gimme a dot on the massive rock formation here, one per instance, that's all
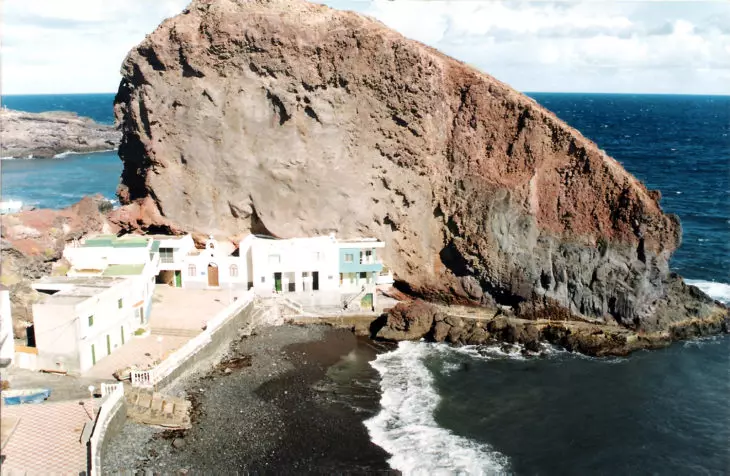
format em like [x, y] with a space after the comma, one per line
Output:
[46, 134]
[289, 118]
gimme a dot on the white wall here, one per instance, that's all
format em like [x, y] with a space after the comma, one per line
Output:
[100, 257]
[63, 331]
[214, 254]
[7, 348]
[181, 246]
[295, 257]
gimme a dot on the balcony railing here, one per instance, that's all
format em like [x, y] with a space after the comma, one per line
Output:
[167, 259]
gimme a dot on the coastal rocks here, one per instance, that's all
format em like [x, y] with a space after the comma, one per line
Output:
[47, 134]
[419, 320]
[286, 118]
[408, 321]
[32, 246]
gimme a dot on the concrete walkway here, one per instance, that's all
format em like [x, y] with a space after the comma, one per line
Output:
[177, 315]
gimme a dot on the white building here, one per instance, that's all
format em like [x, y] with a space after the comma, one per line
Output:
[132, 256]
[81, 320]
[173, 253]
[216, 266]
[293, 265]
[7, 346]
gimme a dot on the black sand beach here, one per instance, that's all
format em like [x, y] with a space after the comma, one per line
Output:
[298, 408]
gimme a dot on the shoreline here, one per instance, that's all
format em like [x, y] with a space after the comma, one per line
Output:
[294, 408]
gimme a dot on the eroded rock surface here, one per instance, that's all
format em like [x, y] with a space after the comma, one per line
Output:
[46, 134]
[292, 119]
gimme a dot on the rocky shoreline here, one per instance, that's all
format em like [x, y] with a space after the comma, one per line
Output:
[280, 414]
[464, 325]
[49, 134]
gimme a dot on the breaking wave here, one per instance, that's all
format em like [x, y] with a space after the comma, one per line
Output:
[406, 428]
[718, 291]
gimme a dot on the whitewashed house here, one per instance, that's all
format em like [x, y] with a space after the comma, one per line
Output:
[80, 320]
[173, 253]
[131, 256]
[215, 266]
[7, 344]
[292, 265]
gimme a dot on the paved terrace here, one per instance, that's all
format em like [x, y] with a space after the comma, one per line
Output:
[45, 438]
[177, 315]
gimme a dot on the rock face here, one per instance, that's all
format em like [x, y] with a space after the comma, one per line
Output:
[291, 119]
[32, 245]
[46, 134]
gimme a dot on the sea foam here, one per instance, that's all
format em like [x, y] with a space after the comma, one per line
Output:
[406, 428]
[718, 291]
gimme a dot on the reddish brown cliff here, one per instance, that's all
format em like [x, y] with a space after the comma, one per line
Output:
[290, 118]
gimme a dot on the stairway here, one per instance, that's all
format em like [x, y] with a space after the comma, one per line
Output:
[168, 331]
[155, 409]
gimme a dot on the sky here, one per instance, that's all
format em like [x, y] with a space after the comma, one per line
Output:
[77, 46]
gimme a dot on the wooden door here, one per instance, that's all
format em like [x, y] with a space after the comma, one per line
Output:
[108, 345]
[212, 275]
[178, 279]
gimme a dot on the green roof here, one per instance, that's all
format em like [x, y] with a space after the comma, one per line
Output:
[116, 242]
[123, 270]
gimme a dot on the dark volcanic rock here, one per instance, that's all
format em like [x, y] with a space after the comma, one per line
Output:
[288, 118]
[408, 321]
[45, 134]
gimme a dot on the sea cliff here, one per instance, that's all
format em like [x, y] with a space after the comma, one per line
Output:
[288, 118]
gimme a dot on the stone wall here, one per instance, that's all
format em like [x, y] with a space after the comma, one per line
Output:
[220, 339]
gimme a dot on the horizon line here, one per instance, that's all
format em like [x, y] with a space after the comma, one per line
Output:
[523, 92]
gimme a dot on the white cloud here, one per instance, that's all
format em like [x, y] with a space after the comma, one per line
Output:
[650, 46]
[73, 46]
[586, 46]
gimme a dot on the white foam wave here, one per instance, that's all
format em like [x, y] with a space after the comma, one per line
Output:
[718, 291]
[406, 428]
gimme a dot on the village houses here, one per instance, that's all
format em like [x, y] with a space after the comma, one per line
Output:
[106, 295]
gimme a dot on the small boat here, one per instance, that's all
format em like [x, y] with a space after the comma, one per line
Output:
[10, 206]
[31, 395]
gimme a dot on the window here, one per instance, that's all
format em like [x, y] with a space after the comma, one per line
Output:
[120, 303]
[166, 255]
[366, 257]
[263, 279]
[91, 320]
[274, 259]
[363, 275]
[233, 271]
[191, 270]
[349, 257]
[330, 277]
[316, 256]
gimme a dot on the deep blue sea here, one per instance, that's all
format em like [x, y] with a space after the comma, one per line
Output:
[487, 411]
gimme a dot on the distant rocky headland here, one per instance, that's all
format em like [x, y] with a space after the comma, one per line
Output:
[48, 134]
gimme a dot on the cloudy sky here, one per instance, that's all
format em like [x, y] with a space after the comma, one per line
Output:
[72, 46]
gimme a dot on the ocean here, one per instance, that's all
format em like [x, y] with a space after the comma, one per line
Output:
[490, 410]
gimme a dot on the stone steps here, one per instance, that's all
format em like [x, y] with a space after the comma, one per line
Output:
[156, 409]
[173, 332]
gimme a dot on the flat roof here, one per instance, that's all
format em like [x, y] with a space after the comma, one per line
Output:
[74, 289]
[123, 270]
[113, 241]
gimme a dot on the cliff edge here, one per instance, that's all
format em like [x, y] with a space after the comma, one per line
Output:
[288, 118]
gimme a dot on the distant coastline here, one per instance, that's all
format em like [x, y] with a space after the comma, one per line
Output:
[53, 134]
